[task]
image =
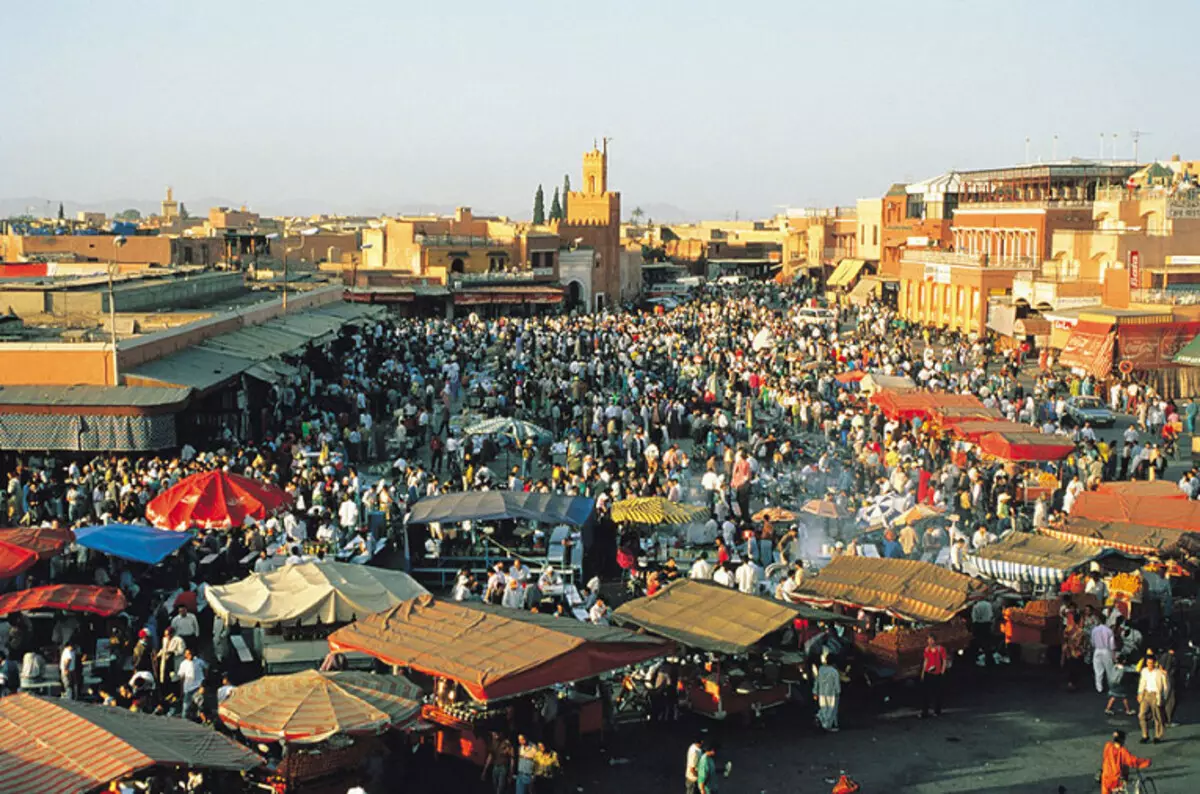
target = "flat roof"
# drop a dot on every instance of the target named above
(99, 396)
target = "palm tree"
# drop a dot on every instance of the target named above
(636, 216)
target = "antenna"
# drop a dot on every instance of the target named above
(1027, 148)
(1136, 135)
(1102, 146)
(1054, 149)
(1114, 147)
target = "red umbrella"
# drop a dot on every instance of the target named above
(214, 500)
(15, 560)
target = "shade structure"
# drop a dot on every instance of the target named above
(516, 429)
(499, 505)
(311, 706)
(1189, 354)
(15, 560)
(311, 593)
(103, 601)
(1129, 489)
(851, 376)
(1090, 348)
(493, 652)
(1166, 512)
(1127, 537)
(43, 541)
(136, 542)
(1026, 447)
(907, 589)
(825, 508)
(712, 618)
(900, 405)
(774, 514)
(214, 500)
(920, 513)
(900, 384)
(973, 430)
(947, 415)
(62, 746)
(656, 510)
(1037, 559)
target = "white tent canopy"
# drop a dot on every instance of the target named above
(311, 593)
(873, 382)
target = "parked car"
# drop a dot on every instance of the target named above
(1089, 409)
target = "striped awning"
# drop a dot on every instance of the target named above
(311, 706)
(846, 271)
(655, 510)
(68, 747)
(1008, 571)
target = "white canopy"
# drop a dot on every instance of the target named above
(873, 382)
(327, 592)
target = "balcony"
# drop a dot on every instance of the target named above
(1184, 296)
(1034, 204)
(925, 256)
(510, 277)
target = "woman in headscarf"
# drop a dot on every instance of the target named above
(827, 693)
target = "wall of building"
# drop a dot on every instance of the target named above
(578, 266)
(869, 220)
(55, 364)
(631, 275)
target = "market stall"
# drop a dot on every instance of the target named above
(1167, 512)
(292, 609)
(1037, 562)
(541, 529)
(748, 668)
(135, 542)
(63, 746)
(215, 500)
(898, 384)
(1024, 447)
(478, 659)
(912, 599)
(320, 718)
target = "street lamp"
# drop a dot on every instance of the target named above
(287, 250)
(118, 242)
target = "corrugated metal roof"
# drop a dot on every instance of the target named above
(908, 589)
(215, 360)
(92, 396)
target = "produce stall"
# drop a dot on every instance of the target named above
(911, 598)
(741, 635)
(481, 664)
(1036, 563)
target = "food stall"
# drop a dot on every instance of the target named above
(747, 668)
(903, 602)
(284, 615)
(322, 722)
(475, 529)
(215, 500)
(483, 666)
(65, 745)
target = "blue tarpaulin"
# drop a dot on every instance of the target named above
(131, 541)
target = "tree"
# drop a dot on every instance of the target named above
(566, 190)
(539, 206)
(556, 212)
(183, 213)
(61, 215)
(130, 214)
(637, 215)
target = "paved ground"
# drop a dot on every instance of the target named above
(1014, 731)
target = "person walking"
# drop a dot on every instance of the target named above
(526, 764)
(1104, 646)
(706, 771)
(68, 670)
(828, 693)
(933, 670)
(691, 771)
(1152, 694)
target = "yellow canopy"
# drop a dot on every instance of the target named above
(656, 510)
(846, 271)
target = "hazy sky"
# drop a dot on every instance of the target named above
(713, 106)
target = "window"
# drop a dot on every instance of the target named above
(915, 206)
(875, 235)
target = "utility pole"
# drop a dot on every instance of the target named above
(112, 308)
(1136, 135)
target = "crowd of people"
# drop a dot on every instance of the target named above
(730, 401)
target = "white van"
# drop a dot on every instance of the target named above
(731, 281)
(806, 316)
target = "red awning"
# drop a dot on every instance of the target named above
(1154, 346)
(1026, 446)
(909, 405)
(853, 376)
(42, 541)
(214, 500)
(104, 601)
(1090, 348)
(15, 560)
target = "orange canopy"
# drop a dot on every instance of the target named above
(910, 405)
(853, 376)
(1162, 489)
(975, 429)
(1154, 511)
(955, 414)
(1026, 446)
